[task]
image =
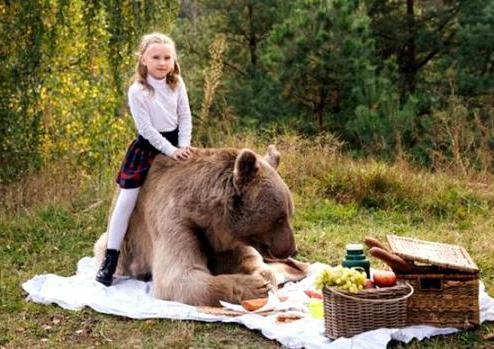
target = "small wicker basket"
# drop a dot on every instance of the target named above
(347, 314)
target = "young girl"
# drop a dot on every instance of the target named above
(160, 107)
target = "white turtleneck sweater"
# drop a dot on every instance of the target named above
(161, 111)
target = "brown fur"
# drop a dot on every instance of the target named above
(196, 222)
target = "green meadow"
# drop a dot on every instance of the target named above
(51, 221)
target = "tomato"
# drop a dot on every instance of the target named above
(369, 284)
(384, 278)
(313, 294)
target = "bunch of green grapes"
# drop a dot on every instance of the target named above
(344, 279)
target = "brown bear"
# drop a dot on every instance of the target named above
(201, 227)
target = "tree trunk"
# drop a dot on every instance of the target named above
(319, 106)
(252, 41)
(410, 59)
(319, 114)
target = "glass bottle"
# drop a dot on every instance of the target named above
(355, 258)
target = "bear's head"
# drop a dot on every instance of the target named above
(262, 206)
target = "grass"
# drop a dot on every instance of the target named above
(50, 220)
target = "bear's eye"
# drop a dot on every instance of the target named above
(280, 220)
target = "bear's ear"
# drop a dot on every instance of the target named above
(272, 156)
(246, 168)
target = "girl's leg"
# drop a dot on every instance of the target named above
(119, 220)
(117, 228)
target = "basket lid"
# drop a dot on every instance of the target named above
(434, 253)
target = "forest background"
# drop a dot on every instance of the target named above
(390, 79)
(383, 111)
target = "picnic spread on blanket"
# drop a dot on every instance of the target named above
(430, 289)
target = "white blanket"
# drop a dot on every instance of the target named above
(133, 299)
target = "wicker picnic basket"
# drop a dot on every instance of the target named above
(445, 280)
(347, 314)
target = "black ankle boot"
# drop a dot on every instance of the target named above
(107, 269)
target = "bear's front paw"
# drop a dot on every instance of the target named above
(268, 275)
(253, 286)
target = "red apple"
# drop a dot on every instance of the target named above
(384, 278)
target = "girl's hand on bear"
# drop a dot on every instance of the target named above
(181, 154)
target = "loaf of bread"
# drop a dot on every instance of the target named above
(396, 263)
(373, 242)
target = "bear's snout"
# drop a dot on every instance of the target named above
(289, 252)
(284, 245)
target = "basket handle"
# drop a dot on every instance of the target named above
(333, 289)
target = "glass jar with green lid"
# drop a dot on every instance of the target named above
(355, 258)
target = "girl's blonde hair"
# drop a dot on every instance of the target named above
(141, 73)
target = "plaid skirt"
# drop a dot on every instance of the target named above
(138, 160)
